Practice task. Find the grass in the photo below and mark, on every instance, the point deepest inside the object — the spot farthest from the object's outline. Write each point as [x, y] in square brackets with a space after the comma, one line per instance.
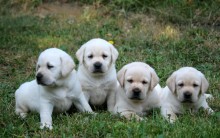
[139, 35]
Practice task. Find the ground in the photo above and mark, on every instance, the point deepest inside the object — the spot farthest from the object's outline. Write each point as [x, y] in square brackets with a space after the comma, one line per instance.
[164, 37]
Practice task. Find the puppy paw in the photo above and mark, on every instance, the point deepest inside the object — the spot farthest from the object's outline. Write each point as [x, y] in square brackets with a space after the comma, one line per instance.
[139, 118]
[92, 113]
[46, 125]
[142, 114]
[23, 115]
[171, 118]
[171, 121]
[209, 96]
[133, 116]
[210, 111]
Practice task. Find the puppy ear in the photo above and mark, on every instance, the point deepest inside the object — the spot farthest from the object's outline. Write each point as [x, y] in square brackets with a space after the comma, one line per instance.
[67, 65]
[171, 82]
[80, 53]
[36, 67]
[121, 76]
[154, 79]
[204, 85]
[114, 53]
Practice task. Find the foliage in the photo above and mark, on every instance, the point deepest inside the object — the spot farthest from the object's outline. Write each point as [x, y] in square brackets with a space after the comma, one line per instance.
[138, 36]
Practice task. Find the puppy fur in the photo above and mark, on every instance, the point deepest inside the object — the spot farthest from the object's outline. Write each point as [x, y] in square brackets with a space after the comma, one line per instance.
[185, 89]
[97, 72]
[55, 88]
[138, 91]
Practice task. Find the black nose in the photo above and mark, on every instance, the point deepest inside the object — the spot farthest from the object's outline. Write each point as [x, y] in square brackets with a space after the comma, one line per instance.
[136, 92]
[97, 65]
[39, 76]
[187, 95]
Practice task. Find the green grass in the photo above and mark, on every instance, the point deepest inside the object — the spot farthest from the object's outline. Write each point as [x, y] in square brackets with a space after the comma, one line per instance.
[143, 35]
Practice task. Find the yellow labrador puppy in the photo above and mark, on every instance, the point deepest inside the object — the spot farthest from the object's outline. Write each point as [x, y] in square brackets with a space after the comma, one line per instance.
[97, 72]
[185, 89]
[55, 89]
[138, 91]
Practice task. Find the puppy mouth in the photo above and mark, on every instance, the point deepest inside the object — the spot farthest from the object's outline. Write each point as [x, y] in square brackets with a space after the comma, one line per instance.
[187, 101]
[136, 94]
[134, 97]
[97, 71]
[41, 83]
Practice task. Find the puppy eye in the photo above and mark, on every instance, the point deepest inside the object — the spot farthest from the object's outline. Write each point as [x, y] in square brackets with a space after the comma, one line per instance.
[195, 85]
[38, 66]
[144, 82]
[49, 66]
[90, 56]
[130, 80]
[104, 56]
[181, 84]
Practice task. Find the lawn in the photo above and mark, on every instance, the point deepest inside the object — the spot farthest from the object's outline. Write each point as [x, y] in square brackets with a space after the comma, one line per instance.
[166, 34]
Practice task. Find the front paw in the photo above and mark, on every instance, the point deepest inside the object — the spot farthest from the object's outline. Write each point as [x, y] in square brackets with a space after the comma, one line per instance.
[131, 116]
[171, 118]
[210, 111]
[46, 125]
[138, 118]
[22, 115]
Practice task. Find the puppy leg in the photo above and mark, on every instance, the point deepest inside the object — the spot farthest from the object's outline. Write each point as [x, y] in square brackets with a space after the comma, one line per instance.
[168, 114]
[20, 102]
[46, 110]
[131, 115]
[22, 112]
[82, 104]
[207, 108]
[111, 100]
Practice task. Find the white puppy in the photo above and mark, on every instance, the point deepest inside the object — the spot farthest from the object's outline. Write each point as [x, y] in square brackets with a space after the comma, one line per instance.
[185, 89]
[55, 89]
[139, 90]
[97, 72]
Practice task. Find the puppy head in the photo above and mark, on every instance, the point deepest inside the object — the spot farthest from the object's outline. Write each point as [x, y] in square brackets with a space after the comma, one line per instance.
[97, 55]
[188, 84]
[137, 79]
[53, 64]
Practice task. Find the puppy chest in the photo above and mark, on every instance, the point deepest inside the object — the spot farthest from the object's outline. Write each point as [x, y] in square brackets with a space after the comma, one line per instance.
[97, 96]
[62, 102]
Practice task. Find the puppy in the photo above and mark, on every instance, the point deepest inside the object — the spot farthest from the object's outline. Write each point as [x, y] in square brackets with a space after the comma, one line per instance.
[97, 72]
[185, 89]
[138, 91]
[55, 89]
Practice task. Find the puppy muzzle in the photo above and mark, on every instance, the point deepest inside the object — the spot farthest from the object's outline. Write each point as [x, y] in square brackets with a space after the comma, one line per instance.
[187, 97]
[97, 67]
[40, 79]
[136, 94]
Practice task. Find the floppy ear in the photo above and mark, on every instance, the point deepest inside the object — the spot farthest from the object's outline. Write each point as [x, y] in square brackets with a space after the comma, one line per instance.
[80, 53]
[204, 85]
[114, 53]
[171, 82]
[121, 76]
[36, 67]
[154, 79]
[67, 65]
